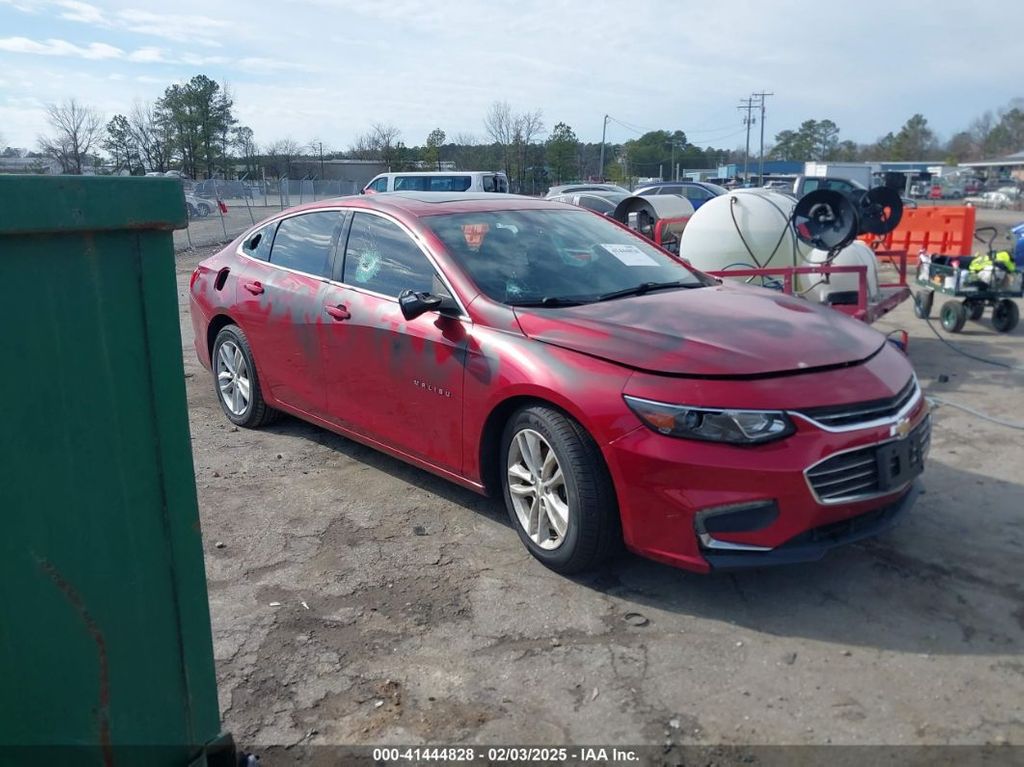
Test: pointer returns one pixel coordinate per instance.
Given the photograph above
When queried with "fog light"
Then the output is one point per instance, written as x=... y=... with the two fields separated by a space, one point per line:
x=735 y=518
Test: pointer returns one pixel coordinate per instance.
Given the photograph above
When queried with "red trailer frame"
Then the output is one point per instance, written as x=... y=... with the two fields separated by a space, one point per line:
x=893 y=293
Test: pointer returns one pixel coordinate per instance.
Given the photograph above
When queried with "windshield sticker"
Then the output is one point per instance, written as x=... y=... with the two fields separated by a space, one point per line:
x=368 y=266
x=630 y=255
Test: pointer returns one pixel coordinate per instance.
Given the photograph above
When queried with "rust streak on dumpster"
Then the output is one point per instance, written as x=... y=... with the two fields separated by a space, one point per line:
x=103 y=712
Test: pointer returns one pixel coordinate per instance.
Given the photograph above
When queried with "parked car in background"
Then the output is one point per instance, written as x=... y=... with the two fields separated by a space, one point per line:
x=430 y=181
x=603 y=388
x=220 y=189
x=601 y=201
x=584 y=187
x=199 y=207
x=997 y=200
x=697 y=192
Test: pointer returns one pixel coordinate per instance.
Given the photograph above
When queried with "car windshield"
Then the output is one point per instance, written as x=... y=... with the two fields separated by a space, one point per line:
x=556 y=257
x=716 y=188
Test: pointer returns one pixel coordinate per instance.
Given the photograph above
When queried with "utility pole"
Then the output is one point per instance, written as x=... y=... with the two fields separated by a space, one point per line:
x=321 y=160
x=760 y=176
x=747 y=104
x=604 y=129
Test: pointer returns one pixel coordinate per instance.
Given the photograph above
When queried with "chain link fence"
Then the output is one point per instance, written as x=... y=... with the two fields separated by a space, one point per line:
x=220 y=211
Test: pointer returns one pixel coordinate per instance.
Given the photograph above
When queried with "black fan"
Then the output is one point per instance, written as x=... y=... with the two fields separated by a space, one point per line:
x=825 y=219
x=880 y=210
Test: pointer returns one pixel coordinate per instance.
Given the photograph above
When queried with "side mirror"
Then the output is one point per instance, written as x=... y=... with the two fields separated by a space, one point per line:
x=414 y=304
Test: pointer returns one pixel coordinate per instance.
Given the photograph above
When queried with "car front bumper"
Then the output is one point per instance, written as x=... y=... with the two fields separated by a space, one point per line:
x=817 y=542
x=668 y=490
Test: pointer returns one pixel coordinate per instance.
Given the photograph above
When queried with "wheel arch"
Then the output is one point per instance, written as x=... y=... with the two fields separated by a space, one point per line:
x=218 y=323
x=489 y=450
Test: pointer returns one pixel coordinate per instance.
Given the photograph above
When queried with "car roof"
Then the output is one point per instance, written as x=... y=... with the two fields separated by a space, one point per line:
x=671 y=183
x=434 y=203
x=583 y=187
x=441 y=173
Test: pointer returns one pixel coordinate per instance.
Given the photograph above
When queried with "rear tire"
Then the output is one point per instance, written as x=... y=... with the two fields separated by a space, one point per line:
x=975 y=310
x=923 y=300
x=236 y=381
x=953 y=316
x=557 y=490
x=1005 y=316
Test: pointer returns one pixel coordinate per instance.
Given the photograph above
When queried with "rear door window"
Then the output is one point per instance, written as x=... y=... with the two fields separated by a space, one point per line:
x=306 y=242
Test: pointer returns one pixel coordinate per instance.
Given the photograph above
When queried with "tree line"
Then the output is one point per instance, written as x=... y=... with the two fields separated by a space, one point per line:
x=992 y=134
x=192 y=128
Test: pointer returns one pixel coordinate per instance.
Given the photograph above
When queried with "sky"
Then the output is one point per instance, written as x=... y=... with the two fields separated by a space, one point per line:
x=326 y=70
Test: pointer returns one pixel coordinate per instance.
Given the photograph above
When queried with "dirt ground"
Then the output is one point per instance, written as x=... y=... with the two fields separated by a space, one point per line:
x=358 y=600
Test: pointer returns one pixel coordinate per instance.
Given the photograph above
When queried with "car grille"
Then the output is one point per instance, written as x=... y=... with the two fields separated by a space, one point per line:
x=847 y=415
x=870 y=471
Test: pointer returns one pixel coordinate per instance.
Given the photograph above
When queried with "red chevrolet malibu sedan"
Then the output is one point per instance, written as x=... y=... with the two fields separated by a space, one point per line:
x=607 y=390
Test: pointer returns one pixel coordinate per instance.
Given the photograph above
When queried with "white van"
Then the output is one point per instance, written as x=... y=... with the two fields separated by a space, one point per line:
x=442 y=181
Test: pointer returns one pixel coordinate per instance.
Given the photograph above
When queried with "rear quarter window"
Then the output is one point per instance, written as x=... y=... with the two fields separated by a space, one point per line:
x=258 y=244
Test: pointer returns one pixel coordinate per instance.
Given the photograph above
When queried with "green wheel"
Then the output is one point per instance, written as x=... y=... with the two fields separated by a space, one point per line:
x=974 y=309
x=953 y=316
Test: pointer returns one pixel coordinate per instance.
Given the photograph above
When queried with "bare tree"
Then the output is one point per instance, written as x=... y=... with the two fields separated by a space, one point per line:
x=380 y=143
x=499 y=122
x=78 y=129
x=528 y=127
x=513 y=134
x=152 y=137
x=469 y=154
x=279 y=157
x=385 y=138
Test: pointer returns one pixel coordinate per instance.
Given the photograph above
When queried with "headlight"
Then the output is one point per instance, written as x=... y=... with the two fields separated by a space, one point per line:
x=739 y=427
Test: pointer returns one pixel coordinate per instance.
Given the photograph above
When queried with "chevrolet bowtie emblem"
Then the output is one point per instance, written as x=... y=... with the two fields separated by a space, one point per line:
x=900 y=429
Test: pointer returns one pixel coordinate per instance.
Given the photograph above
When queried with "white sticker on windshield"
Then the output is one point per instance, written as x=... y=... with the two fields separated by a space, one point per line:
x=630 y=255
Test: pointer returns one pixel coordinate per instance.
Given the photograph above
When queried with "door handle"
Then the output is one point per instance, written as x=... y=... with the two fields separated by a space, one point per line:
x=253 y=287
x=339 y=312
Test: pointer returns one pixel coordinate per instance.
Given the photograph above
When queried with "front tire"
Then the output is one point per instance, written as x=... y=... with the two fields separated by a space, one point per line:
x=953 y=316
x=236 y=381
x=557 y=490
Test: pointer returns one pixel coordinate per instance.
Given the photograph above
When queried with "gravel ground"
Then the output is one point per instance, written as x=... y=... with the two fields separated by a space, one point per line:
x=358 y=600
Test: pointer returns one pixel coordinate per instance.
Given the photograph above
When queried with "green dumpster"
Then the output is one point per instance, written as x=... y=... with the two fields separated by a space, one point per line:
x=105 y=641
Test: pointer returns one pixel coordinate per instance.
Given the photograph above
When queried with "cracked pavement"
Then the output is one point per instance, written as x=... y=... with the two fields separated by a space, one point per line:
x=358 y=600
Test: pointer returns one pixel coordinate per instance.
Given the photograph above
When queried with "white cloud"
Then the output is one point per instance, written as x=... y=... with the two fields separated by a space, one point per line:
x=81 y=12
x=147 y=56
x=55 y=47
x=22 y=5
x=178 y=28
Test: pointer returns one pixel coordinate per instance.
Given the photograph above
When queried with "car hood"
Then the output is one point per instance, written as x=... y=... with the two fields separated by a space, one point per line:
x=723 y=331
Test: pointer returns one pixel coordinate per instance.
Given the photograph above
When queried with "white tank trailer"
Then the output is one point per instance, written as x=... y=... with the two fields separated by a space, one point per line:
x=753 y=228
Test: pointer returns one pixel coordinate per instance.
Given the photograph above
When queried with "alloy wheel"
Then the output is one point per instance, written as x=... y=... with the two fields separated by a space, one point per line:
x=233 y=378
x=536 y=485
